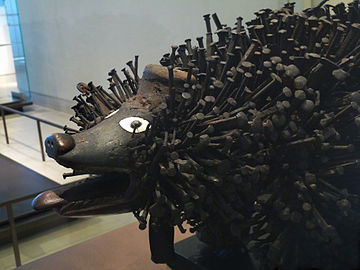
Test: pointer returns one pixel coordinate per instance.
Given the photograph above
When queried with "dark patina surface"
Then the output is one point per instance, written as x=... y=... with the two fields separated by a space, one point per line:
x=252 y=140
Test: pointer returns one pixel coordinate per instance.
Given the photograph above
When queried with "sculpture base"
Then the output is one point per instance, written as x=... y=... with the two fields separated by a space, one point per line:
x=204 y=257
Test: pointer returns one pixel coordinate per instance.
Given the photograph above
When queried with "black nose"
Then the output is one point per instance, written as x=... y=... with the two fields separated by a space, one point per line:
x=58 y=144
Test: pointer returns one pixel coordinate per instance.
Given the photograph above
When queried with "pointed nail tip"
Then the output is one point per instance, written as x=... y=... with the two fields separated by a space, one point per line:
x=46 y=200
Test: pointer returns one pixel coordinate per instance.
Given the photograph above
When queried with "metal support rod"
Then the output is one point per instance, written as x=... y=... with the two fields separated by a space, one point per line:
x=40 y=140
x=5 y=128
x=30 y=116
x=13 y=234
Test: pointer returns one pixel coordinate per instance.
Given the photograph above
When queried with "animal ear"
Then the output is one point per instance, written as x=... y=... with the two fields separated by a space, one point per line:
x=156 y=77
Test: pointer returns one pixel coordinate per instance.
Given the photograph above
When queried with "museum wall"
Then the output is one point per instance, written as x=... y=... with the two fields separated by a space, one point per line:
x=332 y=2
x=70 y=41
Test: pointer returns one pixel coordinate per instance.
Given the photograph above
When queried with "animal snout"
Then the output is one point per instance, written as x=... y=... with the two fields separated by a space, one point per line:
x=58 y=144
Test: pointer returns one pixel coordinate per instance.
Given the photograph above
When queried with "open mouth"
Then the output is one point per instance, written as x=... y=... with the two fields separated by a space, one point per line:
x=110 y=193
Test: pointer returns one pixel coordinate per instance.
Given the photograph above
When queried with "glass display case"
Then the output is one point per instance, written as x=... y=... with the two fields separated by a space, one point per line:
x=14 y=84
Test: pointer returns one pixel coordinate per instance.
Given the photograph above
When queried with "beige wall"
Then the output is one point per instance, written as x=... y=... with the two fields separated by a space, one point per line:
x=334 y=2
x=310 y=3
x=67 y=41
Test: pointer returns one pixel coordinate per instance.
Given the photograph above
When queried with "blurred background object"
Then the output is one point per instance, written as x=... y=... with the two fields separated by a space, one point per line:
x=14 y=85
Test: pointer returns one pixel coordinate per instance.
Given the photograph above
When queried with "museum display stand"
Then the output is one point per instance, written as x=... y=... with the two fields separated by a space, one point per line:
x=127 y=248
x=17 y=186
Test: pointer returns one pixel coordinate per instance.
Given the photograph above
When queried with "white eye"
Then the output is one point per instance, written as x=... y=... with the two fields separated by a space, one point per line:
x=134 y=123
x=111 y=114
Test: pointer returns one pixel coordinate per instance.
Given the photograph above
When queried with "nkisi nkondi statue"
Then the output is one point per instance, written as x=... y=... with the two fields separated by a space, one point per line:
x=250 y=137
